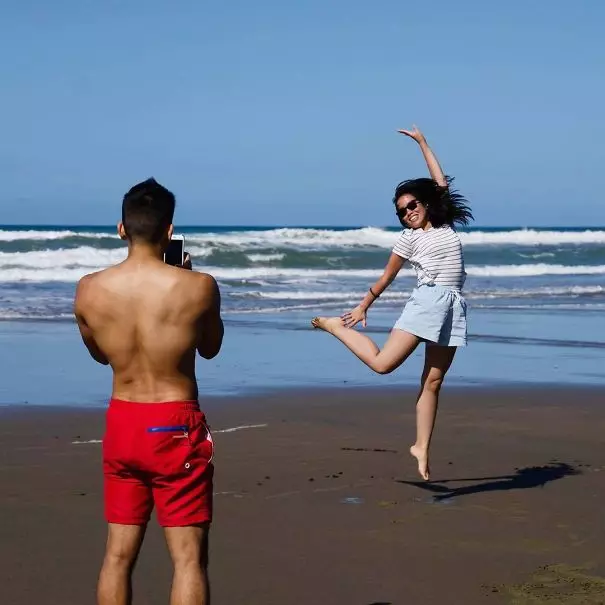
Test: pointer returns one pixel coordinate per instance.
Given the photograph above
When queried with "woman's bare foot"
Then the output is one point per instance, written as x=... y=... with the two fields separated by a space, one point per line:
x=326 y=323
x=423 y=461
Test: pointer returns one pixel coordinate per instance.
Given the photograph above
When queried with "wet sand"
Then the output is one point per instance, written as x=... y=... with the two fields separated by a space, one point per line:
x=322 y=504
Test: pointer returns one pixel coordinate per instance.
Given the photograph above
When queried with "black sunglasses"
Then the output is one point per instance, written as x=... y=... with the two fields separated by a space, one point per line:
x=401 y=212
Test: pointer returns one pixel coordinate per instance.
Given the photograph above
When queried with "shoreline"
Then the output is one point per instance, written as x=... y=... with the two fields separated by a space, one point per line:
x=47 y=363
x=474 y=388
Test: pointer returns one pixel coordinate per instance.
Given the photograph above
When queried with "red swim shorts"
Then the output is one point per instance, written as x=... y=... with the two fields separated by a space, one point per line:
x=157 y=453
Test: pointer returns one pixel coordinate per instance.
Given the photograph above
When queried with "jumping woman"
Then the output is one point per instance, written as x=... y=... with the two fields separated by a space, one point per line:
x=435 y=313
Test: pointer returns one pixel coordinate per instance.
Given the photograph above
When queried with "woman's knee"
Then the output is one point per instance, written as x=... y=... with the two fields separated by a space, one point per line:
x=432 y=382
x=382 y=367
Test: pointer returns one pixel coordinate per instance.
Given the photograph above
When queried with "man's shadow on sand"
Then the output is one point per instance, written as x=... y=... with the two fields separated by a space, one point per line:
x=525 y=478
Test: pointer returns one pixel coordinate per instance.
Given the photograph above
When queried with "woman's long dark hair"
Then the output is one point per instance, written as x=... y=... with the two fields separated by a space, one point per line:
x=444 y=205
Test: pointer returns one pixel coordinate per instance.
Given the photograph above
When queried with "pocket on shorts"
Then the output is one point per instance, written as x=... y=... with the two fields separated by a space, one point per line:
x=186 y=443
x=202 y=442
x=167 y=436
x=210 y=441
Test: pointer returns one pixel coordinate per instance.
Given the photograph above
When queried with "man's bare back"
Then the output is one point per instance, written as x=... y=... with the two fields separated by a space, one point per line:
x=147 y=319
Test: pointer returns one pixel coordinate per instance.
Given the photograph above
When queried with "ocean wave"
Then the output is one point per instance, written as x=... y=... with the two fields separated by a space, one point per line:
x=382 y=238
x=41 y=268
x=265 y=258
x=533 y=270
x=543 y=307
x=84 y=256
x=298 y=238
x=242 y=240
x=282 y=308
x=38 y=315
x=317 y=295
x=532 y=237
x=402 y=295
x=73 y=274
x=538 y=255
x=9 y=235
x=298 y=265
x=322 y=239
x=544 y=292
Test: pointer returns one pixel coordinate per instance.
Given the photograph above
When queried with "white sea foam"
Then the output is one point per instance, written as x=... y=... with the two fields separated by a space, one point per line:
x=296 y=238
x=382 y=238
x=474 y=270
x=8 y=235
x=305 y=239
x=532 y=237
x=265 y=258
x=48 y=267
x=285 y=308
x=546 y=306
x=40 y=315
x=317 y=295
x=84 y=256
x=538 y=255
x=534 y=270
x=398 y=295
x=539 y=292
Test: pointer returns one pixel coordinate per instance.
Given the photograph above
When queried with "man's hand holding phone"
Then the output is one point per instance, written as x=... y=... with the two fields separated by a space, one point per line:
x=186 y=262
x=175 y=252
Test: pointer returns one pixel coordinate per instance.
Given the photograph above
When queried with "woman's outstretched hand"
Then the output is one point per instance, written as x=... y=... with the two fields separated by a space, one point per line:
x=352 y=318
x=414 y=134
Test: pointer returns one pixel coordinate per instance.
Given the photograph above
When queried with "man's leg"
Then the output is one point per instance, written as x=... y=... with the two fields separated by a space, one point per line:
x=188 y=548
x=115 y=581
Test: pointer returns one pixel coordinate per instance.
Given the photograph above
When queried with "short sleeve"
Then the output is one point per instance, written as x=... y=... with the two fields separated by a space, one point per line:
x=403 y=246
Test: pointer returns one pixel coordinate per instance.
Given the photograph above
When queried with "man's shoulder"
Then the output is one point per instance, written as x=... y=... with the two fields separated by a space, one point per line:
x=200 y=289
x=88 y=281
x=85 y=291
x=205 y=279
x=91 y=280
x=93 y=284
x=198 y=279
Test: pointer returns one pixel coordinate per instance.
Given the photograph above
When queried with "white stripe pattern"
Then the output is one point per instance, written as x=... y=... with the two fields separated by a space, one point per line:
x=435 y=254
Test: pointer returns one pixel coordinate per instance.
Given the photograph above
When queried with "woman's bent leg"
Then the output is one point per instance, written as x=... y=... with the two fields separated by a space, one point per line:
x=399 y=346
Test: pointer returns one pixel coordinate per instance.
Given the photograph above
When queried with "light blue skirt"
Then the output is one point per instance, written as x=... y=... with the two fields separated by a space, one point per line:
x=435 y=314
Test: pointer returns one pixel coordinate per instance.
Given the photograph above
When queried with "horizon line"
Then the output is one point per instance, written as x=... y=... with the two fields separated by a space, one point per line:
x=285 y=226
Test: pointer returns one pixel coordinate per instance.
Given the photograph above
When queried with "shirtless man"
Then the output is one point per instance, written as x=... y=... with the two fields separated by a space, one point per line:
x=146 y=320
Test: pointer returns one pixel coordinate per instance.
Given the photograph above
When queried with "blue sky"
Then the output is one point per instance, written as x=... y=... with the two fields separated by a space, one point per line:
x=285 y=113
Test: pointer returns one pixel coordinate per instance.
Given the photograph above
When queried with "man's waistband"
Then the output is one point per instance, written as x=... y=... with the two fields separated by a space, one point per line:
x=158 y=407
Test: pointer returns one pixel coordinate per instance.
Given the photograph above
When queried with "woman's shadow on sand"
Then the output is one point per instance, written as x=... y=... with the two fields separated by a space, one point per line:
x=524 y=478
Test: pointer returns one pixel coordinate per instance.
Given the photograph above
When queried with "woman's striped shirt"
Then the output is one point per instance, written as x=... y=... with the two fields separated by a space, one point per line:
x=435 y=254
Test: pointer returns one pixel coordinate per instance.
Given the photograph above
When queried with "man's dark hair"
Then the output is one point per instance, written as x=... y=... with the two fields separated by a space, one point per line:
x=147 y=211
x=444 y=205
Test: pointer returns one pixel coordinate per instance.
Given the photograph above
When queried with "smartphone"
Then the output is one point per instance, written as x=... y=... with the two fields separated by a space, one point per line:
x=175 y=253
